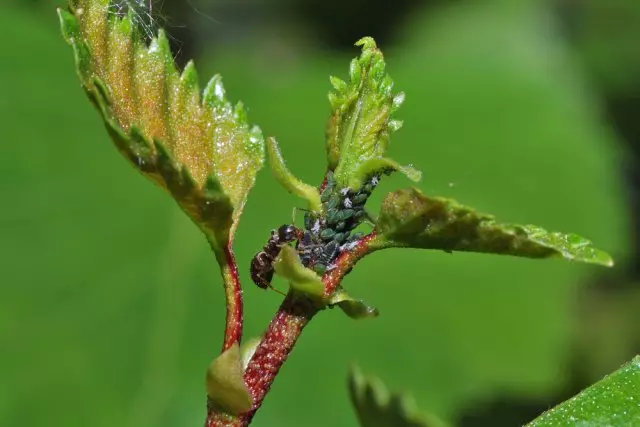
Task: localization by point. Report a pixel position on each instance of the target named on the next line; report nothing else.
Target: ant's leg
(295, 213)
(273, 288)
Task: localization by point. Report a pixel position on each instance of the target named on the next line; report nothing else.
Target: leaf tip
(367, 43)
(214, 93)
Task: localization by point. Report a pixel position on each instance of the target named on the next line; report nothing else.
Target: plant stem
(233, 296)
(292, 316)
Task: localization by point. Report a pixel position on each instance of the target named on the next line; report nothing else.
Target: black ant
(262, 262)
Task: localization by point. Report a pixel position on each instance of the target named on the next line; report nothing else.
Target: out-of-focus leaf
(360, 124)
(609, 51)
(199, 148)
(354, 308)
(225, 385)
(301, 278)
(408, 218)
(614, 401)
(292, 184)
(376, 407)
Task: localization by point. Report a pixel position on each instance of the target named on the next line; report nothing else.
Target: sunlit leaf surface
(612, 402)
(408, 218)
(196, 145)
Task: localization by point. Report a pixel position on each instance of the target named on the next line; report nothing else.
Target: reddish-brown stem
(292, 316)
(233, 296)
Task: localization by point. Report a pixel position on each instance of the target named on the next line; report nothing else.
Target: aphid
(360, 215)
(356, 236)
(329, 252)
(360, 198)
(345, 214)
(344, 191)
(316, 226)
(307, 248)
(341, 237)
(309, 221)
(349, 245)
(327, 234)
(324, 197)
(347, 203)
(375, 180)
(367, 188)
(316, 254)
(262, 262)
(333, 202)
(333, 216)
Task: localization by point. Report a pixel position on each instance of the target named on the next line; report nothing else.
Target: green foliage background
(111, 306)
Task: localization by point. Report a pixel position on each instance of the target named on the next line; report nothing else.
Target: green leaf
(301, 278)
(247, 349)
(376, 407)
(292, 184)
(360, 124)
(199, 148)
(226, 389)
(355, 309)
(408, 218)
(611, 402)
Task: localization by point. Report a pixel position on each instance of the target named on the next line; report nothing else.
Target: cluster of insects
(324, 236)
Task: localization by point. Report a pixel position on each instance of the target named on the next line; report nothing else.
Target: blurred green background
(110, 303)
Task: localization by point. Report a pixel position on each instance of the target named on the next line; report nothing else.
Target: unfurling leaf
(301, 278)
(408, 218)
(199, 148)
(614, 401)
(226, 389)
(360, 124)
(247, 349)
(354, 308)
(375, 407)
(374, 166)
(292, 184)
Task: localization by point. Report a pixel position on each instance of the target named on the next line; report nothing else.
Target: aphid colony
(325, 236)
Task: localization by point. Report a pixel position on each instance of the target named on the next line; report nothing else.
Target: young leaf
(354, 308)
(408, 218)
(226, 389)
(301, 279)
(376, 408)
(292, 184)
(360, 124)
(199, 148)
(613, 401)
(247, 349)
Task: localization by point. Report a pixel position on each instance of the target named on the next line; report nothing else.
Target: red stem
(281, 335)
(233, 294)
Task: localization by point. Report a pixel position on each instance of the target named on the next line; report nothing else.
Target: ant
(262, 262)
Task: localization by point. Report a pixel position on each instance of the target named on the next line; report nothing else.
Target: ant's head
(288, 233)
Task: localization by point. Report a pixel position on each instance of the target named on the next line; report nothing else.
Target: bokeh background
(110, 302)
